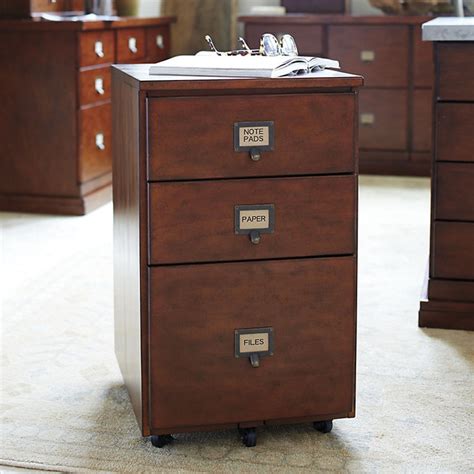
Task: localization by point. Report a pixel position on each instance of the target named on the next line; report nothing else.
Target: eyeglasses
(269, 46)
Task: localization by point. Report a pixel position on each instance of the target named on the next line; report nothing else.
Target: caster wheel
(323, 426)
(159, 441)
(249, 437)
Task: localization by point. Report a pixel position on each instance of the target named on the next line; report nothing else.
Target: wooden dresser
(55, 126)
(396, 103)
(235, 264)
(448, 301)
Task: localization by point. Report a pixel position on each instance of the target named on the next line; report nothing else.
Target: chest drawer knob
(367, 56)
(255, 237)
(160, 42)
(255, 154)
(99, 49)
(100, 141)
(99, 86)
(367, 119)
(132, 45)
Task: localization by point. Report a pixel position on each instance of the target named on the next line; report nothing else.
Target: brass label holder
(254, 220)
(254, 343)
(254, 137)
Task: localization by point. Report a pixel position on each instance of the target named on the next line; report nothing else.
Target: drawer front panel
(313, 134)
(455, 191)
(383, 116)
(157, 43)
(196, 378)
(453, 256)
(422, 119)
(309, 38)
(130, 45)
(94, 85)
(96, 47)
(454, 137)
(456, 74)
(95, 143)
(379, 53)
(194, 222)
(423, 64)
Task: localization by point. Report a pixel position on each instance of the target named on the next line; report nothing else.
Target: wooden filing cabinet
(56, 118)
(190, 278)
(396, 103)
(448, 300)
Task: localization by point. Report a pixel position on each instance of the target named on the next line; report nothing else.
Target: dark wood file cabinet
(185, 278)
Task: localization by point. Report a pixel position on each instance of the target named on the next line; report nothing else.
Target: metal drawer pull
(99, 141)
(99, 86)
(367, 56)
(255, 154)
(367, 119)
(132, 45)
(99, 49)
(160, 42)
(255, 237)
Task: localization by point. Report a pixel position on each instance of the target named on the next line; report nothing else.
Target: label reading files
(254, 343)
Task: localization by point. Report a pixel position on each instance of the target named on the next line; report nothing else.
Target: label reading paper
(259, 217)
(248, 135)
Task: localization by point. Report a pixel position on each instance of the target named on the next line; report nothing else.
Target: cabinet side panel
(127, 306)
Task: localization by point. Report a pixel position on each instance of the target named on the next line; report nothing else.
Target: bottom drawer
(196, 379)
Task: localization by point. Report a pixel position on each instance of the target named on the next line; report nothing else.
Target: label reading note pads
(248, 135)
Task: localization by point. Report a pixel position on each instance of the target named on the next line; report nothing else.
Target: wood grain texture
(423, 64)
(422, 128)
(450, 290)
(154, 50)
(304, 142)
(88, 93)
(455, 191)
(454, 137)
(394, 163)
(311, 371)
(193, 222)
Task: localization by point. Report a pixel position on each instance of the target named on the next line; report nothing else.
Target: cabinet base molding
(393, 163)
(69, 206)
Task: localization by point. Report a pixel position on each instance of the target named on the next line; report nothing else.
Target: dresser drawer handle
(160, 42)
(367, 119)
(99, 49)
(100, 141)
(132, 45)
(255, 154)
(367, 56)
(99, 86)
(255, 237)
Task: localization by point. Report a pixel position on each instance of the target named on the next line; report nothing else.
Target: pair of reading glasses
(269, 46)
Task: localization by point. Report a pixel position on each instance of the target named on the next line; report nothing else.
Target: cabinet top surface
(307, 18)
(449, 29)
(138, 76)
(38, 24)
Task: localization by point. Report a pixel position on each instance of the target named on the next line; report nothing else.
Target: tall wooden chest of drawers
(396, 103)
(55, 125)
(449, 299)
(217, 242)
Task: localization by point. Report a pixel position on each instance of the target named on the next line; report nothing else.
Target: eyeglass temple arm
(211, 44)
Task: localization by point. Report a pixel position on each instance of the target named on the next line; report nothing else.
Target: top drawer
(379, 53)
(193, 138)
(455, 71)
(131, 45)
(96, 47)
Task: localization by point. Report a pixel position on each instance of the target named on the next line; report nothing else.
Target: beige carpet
(63, 405)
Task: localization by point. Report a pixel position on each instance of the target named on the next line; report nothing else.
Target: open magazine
(212, 64)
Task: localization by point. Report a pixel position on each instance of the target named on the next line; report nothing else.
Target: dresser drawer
(95, 154)
(194, 312)
(157, 43)
(379, 53)
(455, 73)
(454, 137)
(453, 256)
(422, 119)
(195, 221)
(383, 119)
(309, 38)
(130, 45)
(96, 47)
(423, 64)
(313, 134)
(455, 191)
(94, 85)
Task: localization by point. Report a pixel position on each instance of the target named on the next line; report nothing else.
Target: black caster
(249, 436)
(323, 426)
(159, 441)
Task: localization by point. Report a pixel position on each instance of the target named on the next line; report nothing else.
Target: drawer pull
(160, 42)
(132, 45)
(367, 119)
(99, 49)
(99, 86)
(255, 237)
(255, 154)
(100, 142)
(367, 56)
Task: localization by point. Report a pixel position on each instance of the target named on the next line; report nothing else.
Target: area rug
(64, 406)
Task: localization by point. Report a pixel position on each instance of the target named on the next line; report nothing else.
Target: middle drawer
(196, 221)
